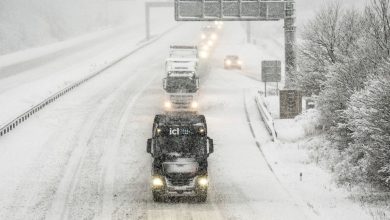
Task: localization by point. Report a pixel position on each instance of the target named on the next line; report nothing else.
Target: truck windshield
(182, 146)
(181, 84)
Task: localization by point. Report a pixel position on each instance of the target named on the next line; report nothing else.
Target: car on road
(232, 62)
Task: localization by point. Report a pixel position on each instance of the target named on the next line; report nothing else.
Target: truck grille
(180, 181)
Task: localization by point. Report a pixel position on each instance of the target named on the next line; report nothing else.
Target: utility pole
(148, 7)
(290, 42)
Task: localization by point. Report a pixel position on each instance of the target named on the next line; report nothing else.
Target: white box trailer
(181, 84)
(181, 64)
(183, 51)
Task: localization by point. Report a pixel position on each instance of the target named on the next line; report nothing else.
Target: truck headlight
(157, 181)
(167, 105)
(203, 36)
(194, 105)
(210, 43)
(203, 181)
(214, 36)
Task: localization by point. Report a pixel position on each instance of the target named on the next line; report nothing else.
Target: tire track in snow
(72, 173)
(109, 156)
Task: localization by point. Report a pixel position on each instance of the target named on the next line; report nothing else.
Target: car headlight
(203, 36)
(203, 181)
(214, 36)
(239, 62)
(157, 181)
(228, 62)
(210, 43)
(167, 104)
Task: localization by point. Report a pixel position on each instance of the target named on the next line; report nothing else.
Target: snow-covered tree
(378, 28)
(329, 39)
(344, 58)
(368, 117)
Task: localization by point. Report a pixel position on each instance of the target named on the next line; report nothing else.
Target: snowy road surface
(84, 157)
(28, 77)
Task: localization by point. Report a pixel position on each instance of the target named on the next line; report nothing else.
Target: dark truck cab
(180, 148)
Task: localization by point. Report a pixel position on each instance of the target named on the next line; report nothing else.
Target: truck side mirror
(165, 83)
(211, 145)
(149, 146)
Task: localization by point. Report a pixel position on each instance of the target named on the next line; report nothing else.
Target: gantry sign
(245, 10)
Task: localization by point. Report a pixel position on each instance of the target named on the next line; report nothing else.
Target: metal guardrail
(23, 117)
(266, 116)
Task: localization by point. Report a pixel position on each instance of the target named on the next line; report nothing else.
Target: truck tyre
(157, 197)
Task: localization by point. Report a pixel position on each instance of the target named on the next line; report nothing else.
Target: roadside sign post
(271, 71)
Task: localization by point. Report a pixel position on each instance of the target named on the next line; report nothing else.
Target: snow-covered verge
(54, 67)
(24, 59)
(27, 24)
(298, 161)
(317, 194)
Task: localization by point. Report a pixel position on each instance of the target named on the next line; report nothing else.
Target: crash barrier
(266, 116)
(23, 117)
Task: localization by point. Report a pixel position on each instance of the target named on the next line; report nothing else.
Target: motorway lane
(89, 161)
(55, 164)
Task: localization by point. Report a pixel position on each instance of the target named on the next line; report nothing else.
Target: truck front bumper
(177, 188)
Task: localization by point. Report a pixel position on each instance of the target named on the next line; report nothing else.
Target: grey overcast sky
(307, 8)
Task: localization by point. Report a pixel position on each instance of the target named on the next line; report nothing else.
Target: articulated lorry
(180, 148)
(181, 82)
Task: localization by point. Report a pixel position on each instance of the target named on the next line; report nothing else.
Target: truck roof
(182, 59)
(192, 47)
(183, 119)
(183, 51)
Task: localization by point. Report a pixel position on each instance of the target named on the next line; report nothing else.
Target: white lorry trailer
(181, 82)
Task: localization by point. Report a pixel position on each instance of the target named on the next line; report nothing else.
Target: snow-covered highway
(84, 156)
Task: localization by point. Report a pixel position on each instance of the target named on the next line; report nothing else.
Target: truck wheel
(157, 197)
